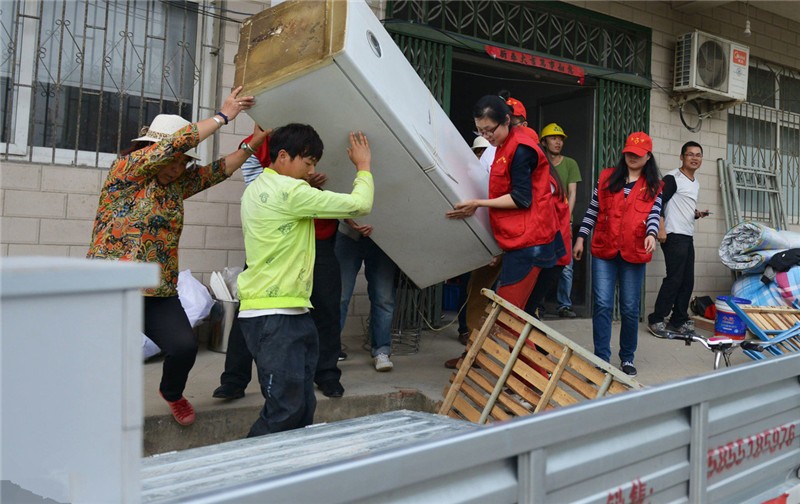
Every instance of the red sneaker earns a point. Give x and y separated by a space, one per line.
182 410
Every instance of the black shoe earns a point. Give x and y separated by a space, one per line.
342 356
566 312
331 389
227 391
628 369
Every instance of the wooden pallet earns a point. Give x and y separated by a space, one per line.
775 323
496 381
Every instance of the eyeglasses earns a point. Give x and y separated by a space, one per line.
486 132
695 155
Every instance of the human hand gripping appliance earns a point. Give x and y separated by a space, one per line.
331 64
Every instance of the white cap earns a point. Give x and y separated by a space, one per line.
480 143
164 126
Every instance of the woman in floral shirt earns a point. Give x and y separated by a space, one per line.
140 218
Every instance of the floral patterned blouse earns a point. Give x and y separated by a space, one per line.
139 219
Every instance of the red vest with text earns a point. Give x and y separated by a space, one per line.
530 132
622 222
522 227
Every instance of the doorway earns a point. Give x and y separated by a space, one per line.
548 97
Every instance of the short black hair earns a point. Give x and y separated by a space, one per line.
297 140
691 143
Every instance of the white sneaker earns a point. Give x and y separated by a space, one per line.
382 362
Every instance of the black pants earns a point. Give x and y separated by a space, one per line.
238 361
676 289
325 296
547 281
165 323
285 349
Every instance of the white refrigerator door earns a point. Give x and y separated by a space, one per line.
421 164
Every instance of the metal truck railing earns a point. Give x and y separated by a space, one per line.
727 436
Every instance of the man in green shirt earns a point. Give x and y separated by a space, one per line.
278 212
553 137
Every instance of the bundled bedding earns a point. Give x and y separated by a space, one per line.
751 248
748 246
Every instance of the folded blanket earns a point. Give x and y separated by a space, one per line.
780 292
749 245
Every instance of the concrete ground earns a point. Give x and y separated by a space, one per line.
417 382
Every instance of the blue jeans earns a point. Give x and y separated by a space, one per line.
564 292
606 275
381 273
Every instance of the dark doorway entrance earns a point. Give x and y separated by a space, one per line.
548 97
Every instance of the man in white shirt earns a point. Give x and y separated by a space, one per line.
679 204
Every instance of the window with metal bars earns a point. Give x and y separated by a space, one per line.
764 132
79 78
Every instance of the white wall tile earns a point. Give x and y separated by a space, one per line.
35 204
20 175
66 232
67 179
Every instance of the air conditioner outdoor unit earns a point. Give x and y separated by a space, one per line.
710 65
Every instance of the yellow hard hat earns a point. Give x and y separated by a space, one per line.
552 129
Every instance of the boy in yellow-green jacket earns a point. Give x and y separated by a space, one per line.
278 212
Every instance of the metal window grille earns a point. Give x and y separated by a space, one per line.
432 62
621 110
546 27
78 78
764 136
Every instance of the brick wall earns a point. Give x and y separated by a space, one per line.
772 37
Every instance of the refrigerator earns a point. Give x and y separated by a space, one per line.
331 64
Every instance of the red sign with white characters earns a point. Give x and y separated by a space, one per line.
536 61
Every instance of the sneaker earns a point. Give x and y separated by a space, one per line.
658 329
228 391
382 362
685 328
182 410
342 356
628 369
566 312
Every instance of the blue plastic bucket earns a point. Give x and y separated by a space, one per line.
729 324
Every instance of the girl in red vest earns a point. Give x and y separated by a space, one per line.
624 211
520 202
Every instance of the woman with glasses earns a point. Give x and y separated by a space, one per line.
140 218
624 212
520 201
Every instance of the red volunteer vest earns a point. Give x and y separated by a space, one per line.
521 227
622 222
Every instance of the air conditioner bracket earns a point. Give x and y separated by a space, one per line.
704 107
